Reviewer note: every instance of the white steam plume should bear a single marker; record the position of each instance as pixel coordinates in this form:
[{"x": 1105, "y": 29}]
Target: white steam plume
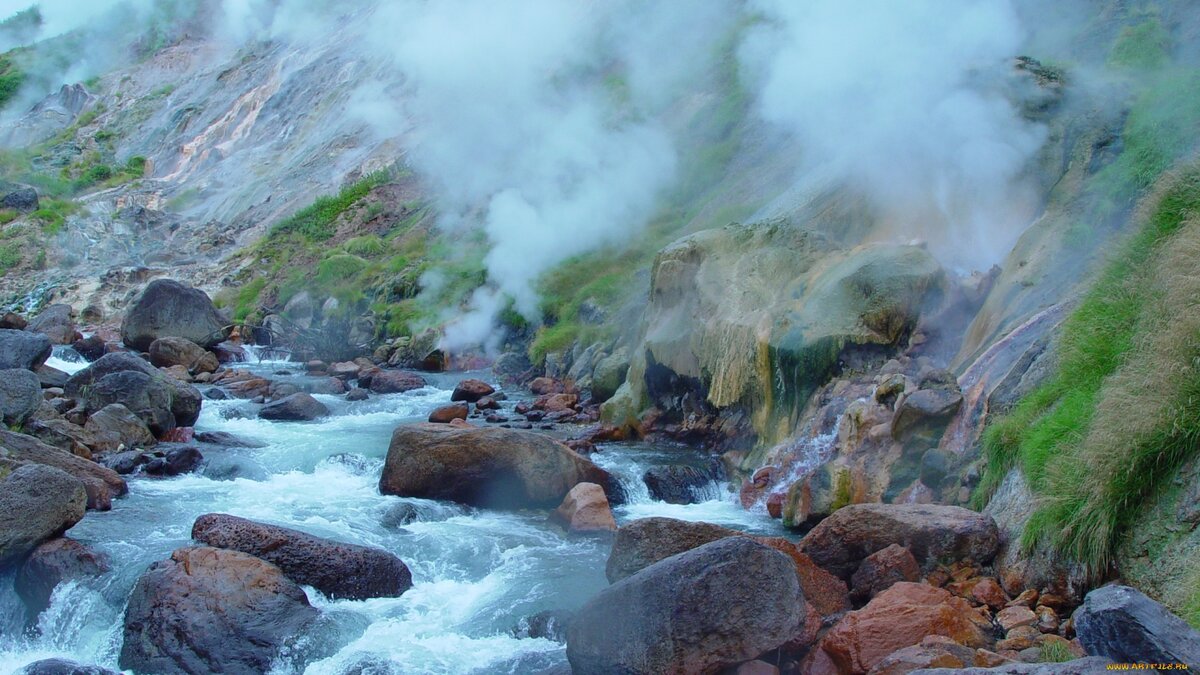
[{"x": 901, "y": 100}]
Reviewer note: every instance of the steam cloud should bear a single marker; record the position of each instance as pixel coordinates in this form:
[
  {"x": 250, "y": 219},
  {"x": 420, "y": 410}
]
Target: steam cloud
[{"x": 901, "y": 100}]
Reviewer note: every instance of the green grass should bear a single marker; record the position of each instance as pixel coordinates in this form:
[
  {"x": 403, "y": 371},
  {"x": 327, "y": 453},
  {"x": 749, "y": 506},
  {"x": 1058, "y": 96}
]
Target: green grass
[
  {"x": 1055, "y": 434},
  {"x": 10, "y": 257},
  {"x": 1055, "y": 652},
  {"x": 246, "y": 300},
  {"x": 1191, "y": 606},
  {"x": 317, "y": 223},
  {"x": 1141, "y": 47},
  {"x": 11, "y": 79}
]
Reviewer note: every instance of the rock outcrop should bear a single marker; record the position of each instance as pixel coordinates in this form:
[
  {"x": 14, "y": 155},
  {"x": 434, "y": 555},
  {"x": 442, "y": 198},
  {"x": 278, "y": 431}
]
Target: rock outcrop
[
  {"x": 167, "y": 308},
  {"x": 1124, "y": 625}
]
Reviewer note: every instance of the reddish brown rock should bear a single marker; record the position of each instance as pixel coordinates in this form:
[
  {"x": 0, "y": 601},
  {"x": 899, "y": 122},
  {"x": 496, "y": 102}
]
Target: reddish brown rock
[
  {"x": 471, "y": 390},
  {"x": 988, "y": 592},
  {"x": 775, "y": 504},
  {"x": 446, "y": 413},
  {"x": 53, "y": 563},
  {"x": 394, "y": 382},
  {"x": 756, "y": 668},
  {"x": 1047, "y": 619},
  {"x": 883, "y": 568},
  {"x": 556, "y": 402},
  {"x": 1027, "y": 598},
  {"x": 585, "y": 509},
  {"x": 545, "y": 385},
  {"x": 1014, "y": 617},
  {"x": 901, "y": 616},
  {"x": 487, "y": 403}
]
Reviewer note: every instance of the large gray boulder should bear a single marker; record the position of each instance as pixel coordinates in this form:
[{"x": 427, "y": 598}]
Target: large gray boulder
[
  {"x": 932, "y": 532},
  {"x": 184, "y": 399},
  {"x": 36, "y": 503},
  {"x": 101, "y": 484},
  {"x": 55, "y": 323},
  {"x": 298, "y": 407},
  {"x": 20, "y": 395},
  {"x": 501, "y": 468},
  {"x": 144, "y": 395},
  {"x": 176, "y": 351},
  {"x": 646, "y": 541},
  {"x": 210, "y": 610},
  {"x": 118, "y": 423},
  {"x": 167, "y": 308},
  {"x": 1126, "y": 626},
  {"x": 701, "y": 611},
  {"x": 338, "y": 570},
  {"x": 22, "y": 349},
  {"x": 58, "y": 666}
]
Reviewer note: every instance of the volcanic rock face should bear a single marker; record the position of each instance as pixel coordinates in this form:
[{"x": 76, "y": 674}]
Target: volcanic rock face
[
  {"x": 211, "y": 610},
  {"x": 36, "y": 503},
  {"x": 492, "y": 467},
  {"x": 167, "y": 308},
  {"x": 1126, "y": 626},
  {"x": 337, "y": 570},
  {"x": 697, "y": 612}
]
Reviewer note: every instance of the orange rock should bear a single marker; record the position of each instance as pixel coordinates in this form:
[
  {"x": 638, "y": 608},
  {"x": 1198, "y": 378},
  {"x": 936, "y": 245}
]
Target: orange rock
[
  {"x": 824, "y": 592},
  {"x": 988, "y": 592},
  {"x": 899, "y": 617},
  {"x": 1027, "y": 598},
  {"x": 556, "y": 402},
  {"x": 1014, "y": 617},
  {"x": 883, "y": 568},
  {"x": 585, "y": 509},
  {"x": 545, "y": 385}
]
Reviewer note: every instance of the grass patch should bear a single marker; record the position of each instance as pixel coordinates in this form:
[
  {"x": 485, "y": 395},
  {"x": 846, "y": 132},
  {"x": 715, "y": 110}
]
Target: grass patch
[
  {"x": 11, "y": 79},
  {"x": 317, "y": 223},
  {"x": 10, "y": 257},
  {"x": 1144, "y": 46},
  {"x": 1122, "y": 408},
  {"x": 1055, "y": 652}
]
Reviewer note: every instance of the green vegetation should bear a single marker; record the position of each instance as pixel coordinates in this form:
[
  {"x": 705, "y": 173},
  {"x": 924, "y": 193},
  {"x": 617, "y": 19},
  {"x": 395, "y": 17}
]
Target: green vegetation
[
  {"x": 11, "y": 79},
  {"x": 316, "y": 223},
  {"x": 1143, "y": 46},
  {"x": 1055, "y": 652},
  {"x": 10, "y": 257},
  {"x": 1121, "y": 408}
]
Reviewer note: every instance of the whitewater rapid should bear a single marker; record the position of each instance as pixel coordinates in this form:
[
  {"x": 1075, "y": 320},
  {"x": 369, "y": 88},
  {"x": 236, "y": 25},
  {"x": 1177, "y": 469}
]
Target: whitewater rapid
[{"x": 477, "y": 573}]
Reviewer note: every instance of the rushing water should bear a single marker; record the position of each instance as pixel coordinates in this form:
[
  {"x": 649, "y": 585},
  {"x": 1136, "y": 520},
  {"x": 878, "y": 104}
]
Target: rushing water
[{"x": 477, "y": 573}]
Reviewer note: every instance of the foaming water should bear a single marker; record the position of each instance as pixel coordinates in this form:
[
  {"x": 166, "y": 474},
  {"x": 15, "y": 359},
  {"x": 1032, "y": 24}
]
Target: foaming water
[
  {"x": 477, "y": 573},
  {"x": 66, "y": 359}
]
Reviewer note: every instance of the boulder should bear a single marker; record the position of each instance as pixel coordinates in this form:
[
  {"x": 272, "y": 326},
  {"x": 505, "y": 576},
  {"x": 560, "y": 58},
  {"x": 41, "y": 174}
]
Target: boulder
[
  {"x": 883, "y": 568},
  {"x": 146, "y": 396},
  {"x": 297, "y": 407},
  {"x": 120, "y": 423},
  {"x": 212, "y": 610},
  {"x": 504, "y": 468},
  {"x": 395, "y": 382},
  {"x": 167, "y": 308},
  {"x": 53, "y": 563},
  {"x": 225, "y": 439},
  {"x": 901, "y": 616},
  {"x": 932, "y": 533},
  {"x": 550, "y": 625},
  {"x": 166, "y": 352},
  {"x": 36, "y": 503},
  {"x": 338, "y": 570},
  {"x": 23, "y": 199},
  {"x": 703, "y": 610},
  {"x": 932, "y": 652},
  {"x": 471, "y": 391},
  {"x": 173, "y": 462},
  {"x": 1121, "y": 623},
  {"x": 609, "y": 375},
  {"x": 22, "y": 349},
  {"x": 102, "y": 484},
  {"x": 443, "y": 415},
  {"x": 926, "y": 406},
  {"x": 1094, "y": 665},
  {"x": 676, "y": 484},
  {"x": 91, "y": 347},
  {"x": 585, "y": 509},
  {"x": 50, "y": 377},
  {"x": 13, "y": 321},
  {"x": 20, "y": 395},
  {"x": 55, "y": 323},
  {"x": 58, "y": 666},
  {"x": 185, "y": 400},
  {"x": 357, "y": 394}
]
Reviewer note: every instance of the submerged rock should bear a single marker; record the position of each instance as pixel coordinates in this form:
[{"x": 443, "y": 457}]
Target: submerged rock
[
  {"x": 697, "y": 612},
  {"x": 491, "y": 467},
  {"x": 36, "y": 503},
  {"x": 53, "y": 563},
  {"x": 338, "y": 570},
  {"x": 212, "y": 610},
  {"x": 676, "y": 484},
  {"x": 167, "y": 308},
  {"x": 296, "y": 407}
]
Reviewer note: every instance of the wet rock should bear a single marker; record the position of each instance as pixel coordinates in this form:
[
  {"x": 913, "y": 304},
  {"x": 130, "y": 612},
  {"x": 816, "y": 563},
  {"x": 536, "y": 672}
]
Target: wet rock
[
  {"x": 1088, "y": 666},
  {"x": 549, "y": 625},
  {"x": 552, "y": 403},
  {"x": 357, "y": 394},
  {"x": 212, "y": 610},
  {"x": 399, "y": 514},
  {"x": 899, "y": 617},
  {"x": 1124, "y": 625},
  {"x": 20, "y": 395},
  {"x": 585, "y": 509},
  {"x": 676, "y": 484},
  {"x": 330, "y": 385},
  {"x": 297, "y": 407},
  {"x": 609, "y": 375},
  {"x": 471, "y": 391},
  {"x": 542, "y": 386},
  {"x": 58, "y": 666},
  {"x": 338, "y": 570},
  {"x": 395, "y": 382},
  {"x": 511, "y": 366},
  {"x": 143, "y": 395},
  {"x": 184, "y": 399},
  {"x": 167, "y": 308},
  {"x": 485, "y": 467},
  {"x": 676, "y": 616},
  {"x": 91, "y": 347},
  {"x": 174, "y": 462},
  {"x": 50, "y": 377},
  {"x": 931, "y": 532},
  {"x": 176, "y": 351},
  {"x": 922, "y": 407},
  {"x": 225, "y": 439},
  {"x": 22, "y": 349},
  {"x": 444, "y": 414},
  {"x": 23, "y": 199},
  {"x": 126, "y": 462},
  {"x": 36, "y": 503},
  {"x": 53, "y": 563},
  {"x": 883, "y": 568},
  {"x": 102, "y": 484},
  {"x": 119, "y": 422}
]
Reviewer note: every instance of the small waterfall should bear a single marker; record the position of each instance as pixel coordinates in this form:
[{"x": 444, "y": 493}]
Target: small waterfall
[
  {"x": 267, "y": 355},
  {"x": 66, "y": 359},
  {"x": 797, "y": 459}
]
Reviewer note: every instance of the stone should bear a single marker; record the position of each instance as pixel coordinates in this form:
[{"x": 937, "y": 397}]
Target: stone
[
  {"x": 37, "y": 503},
  {"x": 91, "y": 347},
  {"x": 212, "y": 610},
  {"x": 23, "y": 199},
  {"x": 550, "y": 625},
  {"x": 756, "y": 667},
  {"x": 585, "y": 509},
  {"x": 609, "y": 375},
  {"x": 225, "y": 439},
  {"x": 1015, "y": 617},
  {"x": 676, "y": 484},
  {"x": 930, "y": 532},
  {"x": 101, "y": 484},
  {"x": 556, "y": 402},
  {"x": 399, "y": 514},
  {"x": 1088, "y": 666},
  {"x": 494, "y": 467},
  {"x": 166, "y": 352},
  {"x": 52, "y": 563},
  {"x": 57, "y": 666},
  {"x": 925, "y": 406},
  {"x": 881, "y": 569},
  {"x": 899, "y": 617},
  {"x": 167, "y": 308},
  {"x": 298, "y": 407},
  {"x": 928, "y": 654},
  {"x": 357, "y": 394},
  {"x": 174, "y": 462},
  {"x": 147, "y": 397},
  {"x": 444, "y": 414},
  {"x": 20, "y": 395},
  {"x": 121, "y": 423},
  {"x": 13, "y": 321},
  {"x": 184, "y": 399},
  {"x": 55, "y": 323},
  {"x": 22, "y": 349},
  {"x": 703, "y": 610},
  {"x": 471, "y": 390},
  {"x": 1123, "y": 624},
  {"x": 988, "y": 592},
  {"x": 338, "y": 570},
  {"x": 395, "y": 382},
  {"x": 50, "y": 377}
]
